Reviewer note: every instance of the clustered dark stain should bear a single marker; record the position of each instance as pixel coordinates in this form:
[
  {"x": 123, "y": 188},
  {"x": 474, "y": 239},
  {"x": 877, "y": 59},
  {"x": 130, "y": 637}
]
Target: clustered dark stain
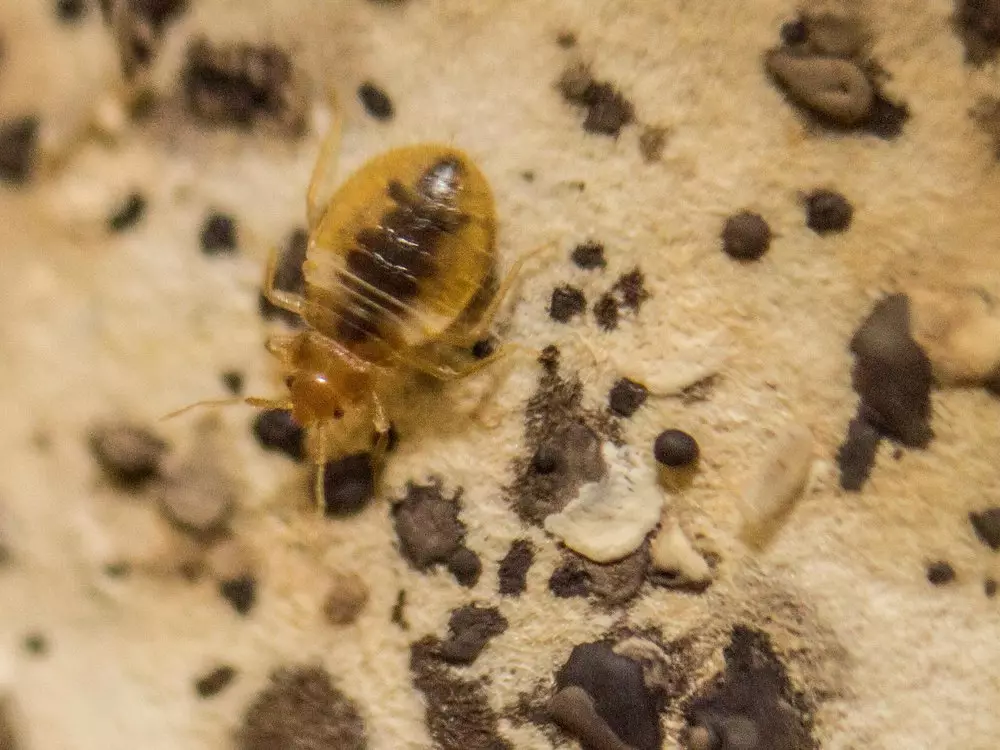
[
  {"x": 567, "y": 303},
  {"x": 618, "y": 692},
  {"x": 240, "y": 592},
  {"x": 589, "y": 256},
  {"x": 218, "y": 234},
  {"x": 458, "y": 713},
  {"x": 243, "y": 85},
  {"x": 70, "y": 11},
  {"x": 233, "y": 381},
  {"x": 651, "y": 143},
  {"x": 128, "y": 454},
  {"x": 828, "y": 211},
  {"x": 570, "y": 579},
  {"x": 556, "y": 418},
  {"x": 288, "y": 277},
  {"x": 465, "y": 566},
  {"x": 608, "y": 111},
  {"x": 376, "y": 102},
  {"x": 128, "y": 214},
  {"x": 215, "y": 681},
  {"x": 977, "y": 23},
  {"x": 940, "y": 572},
  {"x": 348, "y": 485},
  {"x": 470, "y": 629},
  {"x": 892, "y": 377},
  {"x": 277, "y": 430},
  {"x": 513, "y": 570},
  {"x": 301, "y": 708},
  {"x": 139, "y": 27},
  {"x": 613, "y": 584},
  {"x": 606, "y": 312},
  {"x": 626, "y": 396},
  {"x": 628, "y": 293},
  {"x": 429, "y": 531},
  {"x": 18, "y": 149},
  {"x": 751, "y": 704},
  {"x": 986, "y": 524},
  {"x": 746, "y": 236}
]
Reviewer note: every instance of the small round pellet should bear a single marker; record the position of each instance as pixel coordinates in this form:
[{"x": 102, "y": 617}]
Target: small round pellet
[{"x": 675, "y": 448}]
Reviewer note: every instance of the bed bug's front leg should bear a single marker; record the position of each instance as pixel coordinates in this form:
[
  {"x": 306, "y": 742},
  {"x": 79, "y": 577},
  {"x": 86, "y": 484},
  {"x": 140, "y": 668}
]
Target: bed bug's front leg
[
  {"x": 380, "y": 421},
  {"x": 288, "y": 301}
]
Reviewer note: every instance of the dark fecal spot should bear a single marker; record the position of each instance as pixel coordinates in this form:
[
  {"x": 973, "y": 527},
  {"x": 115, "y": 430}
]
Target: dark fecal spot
[
  {"x": 589, "y": 256},
  {"x": 70, "y": 11},
  {"x": 458, "y": 712},
  {"x": 233, "y": 381},
  {"x": 470, "y": 629},
  {"x": 606, "y": 312},
  {"x": 990, "y": 588},
  {"x": 483, "y": 348},
  {"x": 128, "y": 214},
  {"x": 375, "y": 101},
  {"x": 986, "y": 524},
  {"x": 301, "y": 708},
  {"x": 117, "y": 569},
  {"x": 18, "y": 149},
  {"x": 549, "y": 358},
  {"x": 513, "y": 570},
  {"x": 675, "y": 448},
  {"x": 348, "y": 485},
  {"x": 574, "y": 83},
  {"x": 215, "y": 681},
  {"x": 466, "y": 566},
  {"x": 856, "y": 456},
  {"x": 940, "y": 572},
  {"x": 36, "y": 644},
  {"x": 616, "y": 583},
  {"x": 892, "y": 374},
  {"x": 626, "y": 397},
  {"x": 242, "y": 85},
  {"x": 828, "y": 211},
  {"x": 794, "y": 33},
  {"x": 569, "y": 580},
  {"x": 218, "y": 234},
  {"x": 651, "y": 143},
  {"x": 427, "y": 525},
  {"x": 398, "y": 614},
  {"x": 240, "y": 592},
  {"x": 977, "y": 23},
  {"x": 619, "y": 694},
  {"x": 751, "y": 704},
  {"x": 566, "y": 39},
  {"x": 567, "y": 303},
  {"x": 548, "y": 458},
  {"x": 608, "y": 111},
  {"x": 746, "y": 236},
  {"x": 887, "y": 118},
  {"x": 128, "y": 454},
  {"x": 528, "y": 175},
  {"x": 277, "y": 430},
  {"x": 288, "y": 275},
  {"x": 630, "y": 290}
]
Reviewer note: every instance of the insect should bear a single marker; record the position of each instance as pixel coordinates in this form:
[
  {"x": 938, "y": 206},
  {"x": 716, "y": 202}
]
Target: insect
[{"x": 396, "y": 259}]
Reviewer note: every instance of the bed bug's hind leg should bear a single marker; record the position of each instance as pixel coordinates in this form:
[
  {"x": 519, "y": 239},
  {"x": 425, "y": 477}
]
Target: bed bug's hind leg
[
  {"x": 326, "y": 165},
  {"x": 288, "y": 301}
]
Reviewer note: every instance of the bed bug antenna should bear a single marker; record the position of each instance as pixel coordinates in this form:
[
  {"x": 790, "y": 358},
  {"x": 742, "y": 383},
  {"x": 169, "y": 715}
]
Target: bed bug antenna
[{"x": 260, "y": 403}]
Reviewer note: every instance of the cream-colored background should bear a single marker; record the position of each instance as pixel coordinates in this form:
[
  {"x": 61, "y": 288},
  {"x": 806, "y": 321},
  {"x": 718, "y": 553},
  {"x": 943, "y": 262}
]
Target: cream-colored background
[{"x": 93, "y": 325}]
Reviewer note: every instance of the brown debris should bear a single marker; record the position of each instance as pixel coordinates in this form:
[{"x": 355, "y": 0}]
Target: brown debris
[
  {"x": 127, "y": 453},
  {"x": 608, "y": 111},
  {"x": 347, "y": 598}
]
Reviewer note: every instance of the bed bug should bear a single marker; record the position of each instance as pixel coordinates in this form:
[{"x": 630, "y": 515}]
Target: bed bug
[{"x": 397, "y": 259}]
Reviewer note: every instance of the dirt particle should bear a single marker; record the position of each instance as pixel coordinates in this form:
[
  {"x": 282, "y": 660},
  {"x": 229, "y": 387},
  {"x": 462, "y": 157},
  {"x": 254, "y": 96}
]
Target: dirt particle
[
  {"x": 240, "y": 592},
  {"x": 566, "y": 39},
  {"x": 856, "y": 455},
  {"x": 570, "y": 579},
  {"x": 567, "y": 303},
  {"x": 977, "y": 23},
  {"x": 288, "y": 276},
  {"x": 675, "y": 448},
  {"x": 458, "y": 713},
  {"x": 218, "y": 234},
  {"x": 513, "y": 571},
  {"x": 376, "y": 102},
  {"x": 751, "y": 704},
  {"x": 301, "y": 708},
  {"x": 651, "y": 143},
  {"x": 346, "y": 599},
  {"x": 794, "y": 33},
  {"x": 215, "y": 681},
  {"x": 348, "y": 485},
  {"x": 277, "y": 430},
  {"x": 127, "y": 453},
  {"x": 70, "y": 11},
  {"x": 990, "y": 588},
  {"x": 233, "y": 381},
  {"x": 746, "y": 236},
  {"x": 828, "y": 211},
  {"x": 589, "y": 256},
  {"x": 626, "y": 396},
  {"x": 427, "y": 524},
  {"x": 18, "y": 149},
  {"x": 470, "y": 629},
  {"x": 887, "y": 118},
  {"x": 608, "y": 111},
  {"x": 986, "y": 524},
  {"x": 483, "y": 348},
  {"x": 128, "y": 214},
  {"x": 940, "y": 572},
  {"x": 398, "y": 614},
  {"x": 465, "y": 566},
  {"x": 606, "y": 312},
  {"x": 244, "y": 85},
  {"x": 549, "y": 359},
  {"x": 615, "y": 685},
  {"x": 630, "y": 290},
  {"x": 36, "y": 644}
]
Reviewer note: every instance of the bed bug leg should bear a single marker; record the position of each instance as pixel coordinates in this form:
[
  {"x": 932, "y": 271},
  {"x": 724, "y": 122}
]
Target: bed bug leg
[
  {"x": 289, "y": 301},
  {"x": 326, "y": 164}
]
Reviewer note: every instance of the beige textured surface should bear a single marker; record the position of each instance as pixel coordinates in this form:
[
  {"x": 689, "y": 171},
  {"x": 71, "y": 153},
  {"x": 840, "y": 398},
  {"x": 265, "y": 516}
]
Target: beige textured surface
[{"x": 92, "y": 325}]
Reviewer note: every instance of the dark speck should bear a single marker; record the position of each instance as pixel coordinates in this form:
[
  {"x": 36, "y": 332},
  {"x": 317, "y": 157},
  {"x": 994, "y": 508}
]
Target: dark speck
[
  {"x": 794, "y": 33},
  {"x": 470, "y": 629},
  {"x": 651, "y": 143},
  {"x": 887, "y": 118},
  {"x": 129, "y": 214},
  {"x": 828, "y": 211},
  {"x": 549, "y": 358},
  {"x": 69, "y": 11},
  {"x": 626, "y": 397},
  {"x": 675, "y": 448},
  {"x": 465, "y": 565},
  {"x": 986, "y": 524},
  {"x": 18, "y": 148},
  {"x": 566, "y": 39},
  {"x": 547, "y": 458},
  {"x": 233, "y": 381},
  {"x": 398, "y": 614},
  {"x": 589, "y": 256},
  {"x": 240, "y": 592},
  {"x": 427, "y": 525},
  {"x": 567, "y": 303},
  {"x": 746, "y": 236},
  {"x": 568, "y": 580},
  {"x": 375, "y": 101},
  {"x": 118, "y": 569},
  {"x": 990, "y": 588},
  {"x": 630, "y": 290},
  {"x": 606, "y": 312},
  {"x": 608, "y": 111},
  {"x": 483, "y": 348},
  {"x": 215, "y": 681},
  {"x": 348, "y": 485},
  {"x": 856, "y": 456},
  {"x": 218, "y": 235},
  {"x": 276, "y": 430},
  {"x": 36, "y": 644},
  {"x": 513, "y": 570},
  {"x": 940, "y": 572}
]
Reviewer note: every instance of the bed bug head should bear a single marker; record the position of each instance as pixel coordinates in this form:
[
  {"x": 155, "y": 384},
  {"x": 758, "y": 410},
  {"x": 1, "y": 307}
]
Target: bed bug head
[{"x": 324, "y": 384}]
